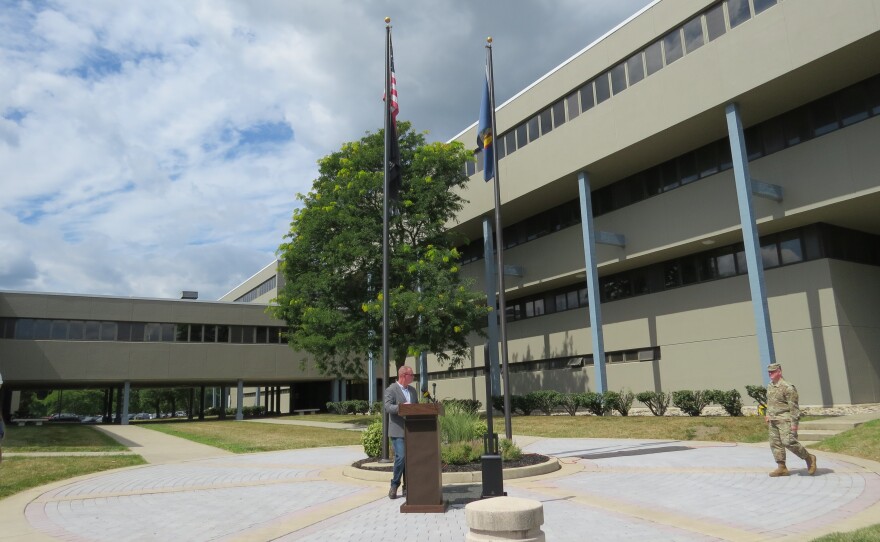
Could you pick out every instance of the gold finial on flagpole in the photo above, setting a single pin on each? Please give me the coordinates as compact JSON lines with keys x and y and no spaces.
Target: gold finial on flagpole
{"x":387,"y":20}
{"x":489,"y":40}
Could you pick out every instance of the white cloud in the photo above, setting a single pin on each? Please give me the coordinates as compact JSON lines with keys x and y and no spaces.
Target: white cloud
{"x":120,"y":122}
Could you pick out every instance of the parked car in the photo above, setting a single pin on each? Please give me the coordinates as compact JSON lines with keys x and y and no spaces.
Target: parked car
{"x":64,"y":417}
{"x":143,"y":416}
{"x":180,"y":414}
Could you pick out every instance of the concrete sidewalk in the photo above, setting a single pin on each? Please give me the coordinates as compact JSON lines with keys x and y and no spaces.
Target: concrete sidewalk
{"x":614,"y":490}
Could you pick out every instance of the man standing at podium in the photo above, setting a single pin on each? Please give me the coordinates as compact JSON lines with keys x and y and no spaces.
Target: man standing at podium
{"x":398,"y":393}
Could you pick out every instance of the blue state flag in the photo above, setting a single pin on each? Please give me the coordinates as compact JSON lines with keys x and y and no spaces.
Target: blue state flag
{"x":485,"y":137}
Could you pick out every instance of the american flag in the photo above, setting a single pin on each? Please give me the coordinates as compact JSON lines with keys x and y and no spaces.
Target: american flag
{"x":395,"y":108}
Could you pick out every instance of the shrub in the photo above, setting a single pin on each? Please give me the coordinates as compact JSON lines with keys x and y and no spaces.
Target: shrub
{"x":545,"y":400}
{"x":621,"y":401}
{"x":498,"y":403}
{"x":461,"y":453}
{"x":522,"y":403}
{"x":480,"y":428}
{"x":759,"y":394}
{"x":334,"y":407}
{"x":656,"y":401}
{"x":371,"y":438}
{"x":377,"y":407}
{"x":595,"y":403}
{"x":361,"y":406}
{"x":731,"y":401}
{"x":570,"y":402}
{"x":466,"y":405}
{"x":690,"y":402}
{"x":509,"y":450}
{"x":457,"y":424}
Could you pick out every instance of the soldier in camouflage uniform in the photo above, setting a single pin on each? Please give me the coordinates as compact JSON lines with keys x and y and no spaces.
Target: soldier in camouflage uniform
{"x":782,"y":418}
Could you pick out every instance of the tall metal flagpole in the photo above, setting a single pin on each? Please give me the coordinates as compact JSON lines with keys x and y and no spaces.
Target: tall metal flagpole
{"x":499,"y":246}
{"x":385,"y":236}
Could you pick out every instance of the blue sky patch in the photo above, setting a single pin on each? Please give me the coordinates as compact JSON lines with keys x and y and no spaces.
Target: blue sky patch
{"x":15,"y":114}
{"x":256,"y":138}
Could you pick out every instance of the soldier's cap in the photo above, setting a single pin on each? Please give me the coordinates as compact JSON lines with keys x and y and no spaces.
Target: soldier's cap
{"x":773,"y":367}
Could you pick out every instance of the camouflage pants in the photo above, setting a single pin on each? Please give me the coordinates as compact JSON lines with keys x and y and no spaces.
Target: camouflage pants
{"x":781,"y":438}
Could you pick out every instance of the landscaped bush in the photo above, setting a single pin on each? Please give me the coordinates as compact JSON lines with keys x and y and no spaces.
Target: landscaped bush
{"x":377,"y":407}
{"x":595,"y":403}
{"x":523,"y":403}
{"x":371,"y":438}
{"x":759,"y":394}
{"x":498,"y":403}
{"x":690,"y":402}
{"x":730,"y":401}
{"x":509,"y":450}
{"x":466,"y":405}
{"x":656,"y":401}
{"x":570,"y":402}
{"x":545,"y":400}
{"x":355,"y":406}
{"x":461,"y":453}
{"x":457,"y":424}
{"x":621,"y":401}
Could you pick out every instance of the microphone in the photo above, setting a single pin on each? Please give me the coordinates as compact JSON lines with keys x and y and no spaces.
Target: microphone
{"x":427,"y":395}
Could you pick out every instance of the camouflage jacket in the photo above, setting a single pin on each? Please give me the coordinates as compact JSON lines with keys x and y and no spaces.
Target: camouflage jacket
{"x":782,"y":401}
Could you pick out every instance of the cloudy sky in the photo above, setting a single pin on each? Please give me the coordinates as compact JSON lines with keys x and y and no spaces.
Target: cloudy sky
{"x":154,"y":146}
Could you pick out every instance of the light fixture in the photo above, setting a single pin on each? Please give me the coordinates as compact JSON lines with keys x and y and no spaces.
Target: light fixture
{"x":708,"y":241}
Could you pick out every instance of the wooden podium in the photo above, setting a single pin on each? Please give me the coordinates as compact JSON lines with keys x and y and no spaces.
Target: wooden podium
{"x":424,"y":488}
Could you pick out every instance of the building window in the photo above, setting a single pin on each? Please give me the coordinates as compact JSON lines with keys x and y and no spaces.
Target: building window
{"x":571,"y":102}
{"x":588,"y":100}
{"x":693,"y":34}
{"x":558,"y":113}
{"x":546,"y":119}
{"x":672,"y":46}
{"x":715,"y":22}
{"x":618,"y":78}
{"x":635,"y":69}
{"x":738,"y":11}
{"x":603,"y":91}
{"x":653,"y":58}
{"x":761,"y":5}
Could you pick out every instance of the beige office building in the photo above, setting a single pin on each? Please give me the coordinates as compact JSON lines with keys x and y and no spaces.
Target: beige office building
{"x":642,"y":114}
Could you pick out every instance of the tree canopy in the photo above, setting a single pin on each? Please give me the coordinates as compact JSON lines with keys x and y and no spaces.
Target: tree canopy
{"x":331,"y":259}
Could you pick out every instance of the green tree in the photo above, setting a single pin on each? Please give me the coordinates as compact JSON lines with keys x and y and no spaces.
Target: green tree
{"x":332,"y":259}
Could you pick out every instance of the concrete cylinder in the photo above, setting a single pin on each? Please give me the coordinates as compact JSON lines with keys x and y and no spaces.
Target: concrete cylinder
{"x":504,"y":518}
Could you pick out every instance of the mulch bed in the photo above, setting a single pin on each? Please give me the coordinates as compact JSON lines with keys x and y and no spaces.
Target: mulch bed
{"x":524,"y":461}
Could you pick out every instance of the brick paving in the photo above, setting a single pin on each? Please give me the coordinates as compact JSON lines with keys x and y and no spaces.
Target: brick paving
{"x":610,"y":490}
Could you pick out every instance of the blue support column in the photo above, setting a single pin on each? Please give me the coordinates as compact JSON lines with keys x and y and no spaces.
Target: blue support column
{"x":754,"y":263}
{"x":239,"y":407}
{"x":491,"y":289}
{"x":592,"y":281}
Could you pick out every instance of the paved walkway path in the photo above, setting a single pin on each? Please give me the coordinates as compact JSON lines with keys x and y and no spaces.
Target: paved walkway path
{"x":610,"y":490}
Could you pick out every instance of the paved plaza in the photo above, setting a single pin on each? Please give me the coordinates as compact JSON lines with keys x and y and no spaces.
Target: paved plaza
{"x":609,"y":490}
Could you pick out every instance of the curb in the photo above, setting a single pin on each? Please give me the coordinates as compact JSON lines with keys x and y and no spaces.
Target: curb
{"x":460,"y":477}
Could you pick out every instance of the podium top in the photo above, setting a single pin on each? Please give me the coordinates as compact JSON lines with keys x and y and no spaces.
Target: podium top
{"x":420,"y":409}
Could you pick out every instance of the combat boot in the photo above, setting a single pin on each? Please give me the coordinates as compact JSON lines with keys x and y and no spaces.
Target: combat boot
{"x":811,"y":464}
{"x":780,"y":471}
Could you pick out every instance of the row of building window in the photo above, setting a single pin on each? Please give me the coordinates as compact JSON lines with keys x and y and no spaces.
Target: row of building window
{"x":263,"y":288}
{"x":568,"y":362}
{"x":828,"y":114}
{"x":703,"y":28}
{"x":790,"y":247}
{"x":92,"y":330}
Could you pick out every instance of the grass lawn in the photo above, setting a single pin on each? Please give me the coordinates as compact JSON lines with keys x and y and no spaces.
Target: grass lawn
{"x":58,"y":438}
{"x":244,"y":437}
{"x":20,"y":473}
{"x":711,"y":428}
{"x":863,"y":441}
{"x":354,"y":419}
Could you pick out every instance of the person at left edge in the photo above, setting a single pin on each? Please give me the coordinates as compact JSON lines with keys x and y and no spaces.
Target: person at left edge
{"x":398,"y":393}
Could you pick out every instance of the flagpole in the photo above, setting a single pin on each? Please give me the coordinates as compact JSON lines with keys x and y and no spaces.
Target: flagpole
{"x":385,"y":184}
{"x":499,"y":245}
